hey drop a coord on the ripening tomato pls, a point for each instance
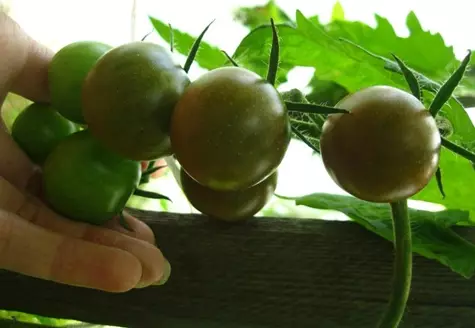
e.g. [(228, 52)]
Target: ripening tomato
[(232, 205), (386, 149), (128, 98), (230, 129)]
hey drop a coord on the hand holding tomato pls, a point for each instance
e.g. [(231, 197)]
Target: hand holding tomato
[(36, 241)]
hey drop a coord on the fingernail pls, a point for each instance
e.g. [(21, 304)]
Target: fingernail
[(167, 270)]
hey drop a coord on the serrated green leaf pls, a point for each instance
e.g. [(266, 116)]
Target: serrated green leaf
[(325, 92), (459, 184), (306, 127), (338, 13), (208, 57), (311, 44), (432, 235), (255, 16), (413, 49)]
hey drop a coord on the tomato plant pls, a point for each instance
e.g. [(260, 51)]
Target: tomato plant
[(38, 129), (84, 181), (234, 205), (128, 98), (388, 147), (67, 71), (230, 129)]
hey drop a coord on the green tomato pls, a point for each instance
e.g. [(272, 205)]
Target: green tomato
[(38, 129), (230, 129), (84, 181), (67, 71), (235, 205), (386, 149), (128, 99)]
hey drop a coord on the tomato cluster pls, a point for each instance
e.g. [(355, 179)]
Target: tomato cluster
[(117, 111)]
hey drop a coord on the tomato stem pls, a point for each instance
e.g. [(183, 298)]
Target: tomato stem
[(194, 48), (304, 139), (458, 150), (230, 58), (313, 108), (274, 56), (402, 276), (146, 36), (172, 38)]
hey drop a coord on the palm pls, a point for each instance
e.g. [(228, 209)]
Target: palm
[(36, 241)]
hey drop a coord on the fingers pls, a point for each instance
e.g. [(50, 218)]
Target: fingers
[(34, 251), (23, 70), (24, 62), (140, 230), (32, 80), (31, 209), (15, 166)]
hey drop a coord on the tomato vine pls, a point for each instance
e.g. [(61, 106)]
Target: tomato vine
[(229, 131)]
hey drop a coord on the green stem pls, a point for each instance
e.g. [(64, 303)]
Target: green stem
[(313, 108), (458, 150), (402, 275), (302, 137), (145, 36), (230, 58), (172, 38)]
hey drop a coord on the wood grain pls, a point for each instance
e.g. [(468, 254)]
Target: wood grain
[(267, 272)]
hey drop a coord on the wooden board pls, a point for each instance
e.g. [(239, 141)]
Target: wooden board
[(267, 272)]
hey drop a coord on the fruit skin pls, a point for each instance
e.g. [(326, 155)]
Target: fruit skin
[(84, 181), (386, 149), (228, 205), (128, 99), (38, 129), (230, 129), (67, 71)]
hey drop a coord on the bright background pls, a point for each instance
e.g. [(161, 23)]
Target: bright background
[(59, 22)]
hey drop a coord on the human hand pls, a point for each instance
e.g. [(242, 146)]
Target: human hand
[(36, 241)]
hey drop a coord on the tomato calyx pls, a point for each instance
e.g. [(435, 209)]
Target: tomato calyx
[(194, 48), (150, 194), (274, 55)]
